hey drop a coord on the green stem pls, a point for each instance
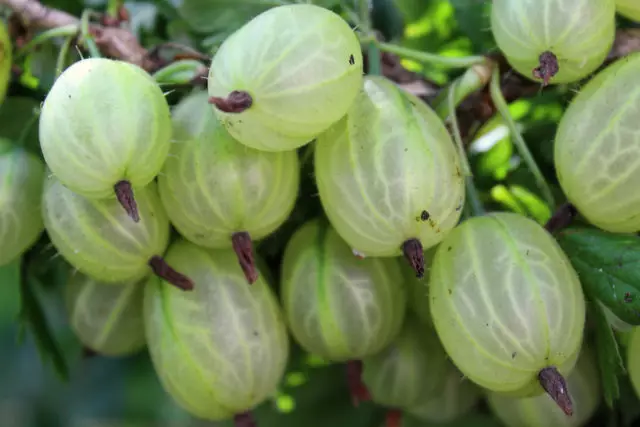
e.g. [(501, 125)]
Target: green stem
[(474, 79), (424, 57), (475, 204), (373, 51), (86, 35), (61, 62), (65, 31), (503, 109), (26, 128)]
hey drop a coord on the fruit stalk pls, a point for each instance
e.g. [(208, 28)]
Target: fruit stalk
[(556, 387), (503, 109), (243, 247), (124, 194), (165, 271), (236, 102)]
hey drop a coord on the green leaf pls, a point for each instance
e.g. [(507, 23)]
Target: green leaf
[(608, 354), (211, 16), (608, 266), (18, 120), (180, 72)]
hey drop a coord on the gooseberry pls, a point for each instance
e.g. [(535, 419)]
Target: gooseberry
[(105, 129), (5, 60), (554, 41), (277, 90), (107, 319), (21, 178), (629, 9), (584, 386), (219, 193), (508, 306), (221, 349), (389, 176), (597, 145), (337, 306), (99, 239)]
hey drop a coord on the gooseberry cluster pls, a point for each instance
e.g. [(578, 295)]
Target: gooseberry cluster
[(429, 313)]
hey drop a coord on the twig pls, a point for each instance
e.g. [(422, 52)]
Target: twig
[(114, 42)]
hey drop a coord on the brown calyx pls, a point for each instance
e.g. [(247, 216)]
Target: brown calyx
[(165, 271), (236, 102), (124, 194), (561, 218), (243, 247), (244, 419), (357, 389), (554, 384), (393, 418), (413, 252), (548, 67)]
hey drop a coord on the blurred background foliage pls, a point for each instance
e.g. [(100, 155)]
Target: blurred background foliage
[(124, 392)]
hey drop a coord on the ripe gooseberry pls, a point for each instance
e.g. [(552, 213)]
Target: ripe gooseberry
[(409, 371), (221, 349), (219, 193), (21, 178), (584, 386), (389, 176), (508, 306), (597, 145), (105, 129), (100, 240), (107, 319), (276, 90), (629, 9), (5, 60), (554, 41), (454, 399), (338, 306)]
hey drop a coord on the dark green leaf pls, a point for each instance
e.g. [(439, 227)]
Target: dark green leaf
[(609, 268), (608, 354), (211, 16), (18, 120), (9, 292)]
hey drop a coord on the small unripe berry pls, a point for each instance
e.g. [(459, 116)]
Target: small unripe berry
[(21, 178), (338, 306), (597, 145), (389, 176), (409, 371), (508, 306), (5, 61), (285, 76), (554, 41), (541, 410), (106, 318), (221, 349), (105, 130), (219, 193), (99, 239)]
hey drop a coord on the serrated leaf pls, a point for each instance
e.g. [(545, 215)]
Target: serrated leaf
[(609, 268), (608, 354)]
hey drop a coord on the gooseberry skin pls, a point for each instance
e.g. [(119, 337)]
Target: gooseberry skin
[(301, 78), (385, 165), (456, 397), (541, 411), (597, 148), (506, 303), (5, 61), (98, 238), (409, 371), (107, 319), (630, 9), (21, 178), (633, 359), (212, 186), (222, 348), (338, 306), (104, 121), (580, 33)]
